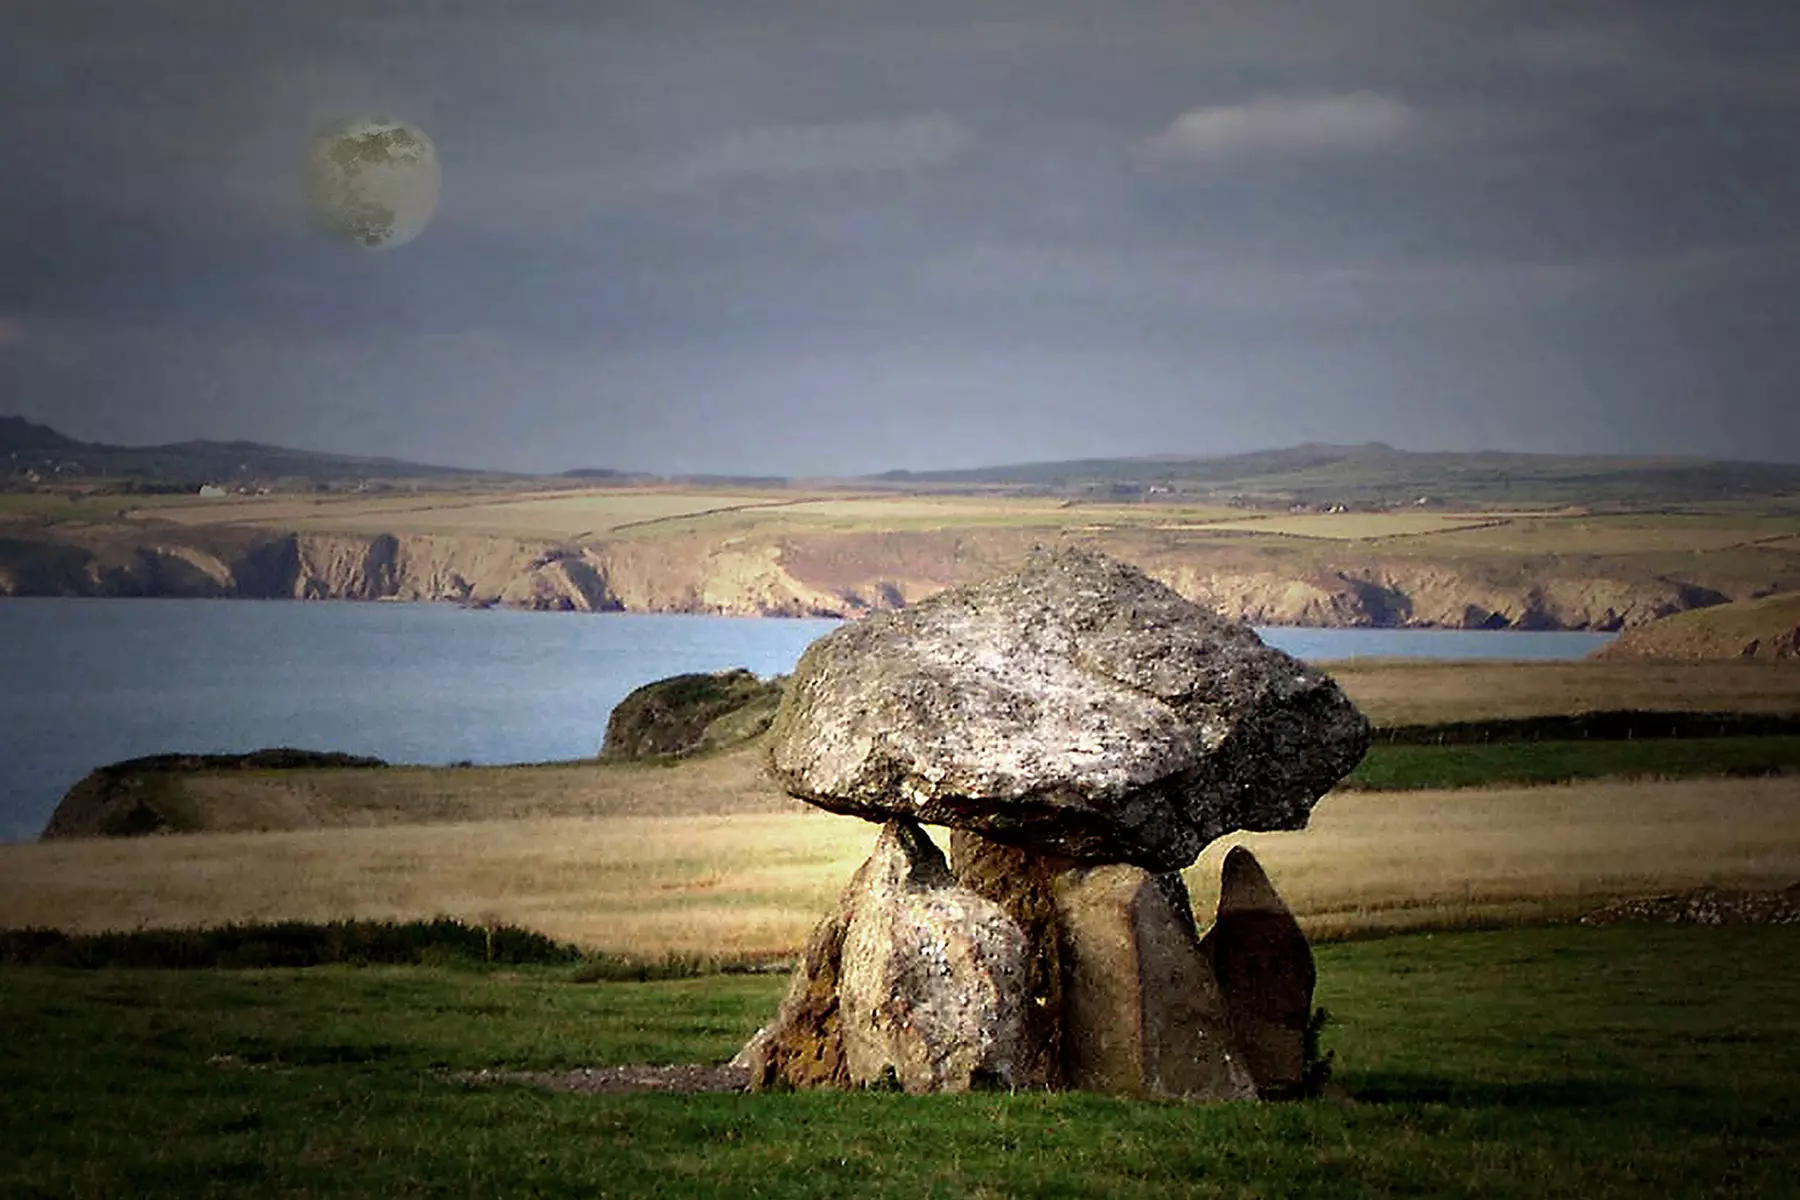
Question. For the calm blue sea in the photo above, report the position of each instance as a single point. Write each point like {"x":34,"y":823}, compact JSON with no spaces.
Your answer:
{"x":86,"y":682}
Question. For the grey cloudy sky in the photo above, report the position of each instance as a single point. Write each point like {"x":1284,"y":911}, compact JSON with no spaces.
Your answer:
{"x":842,"y":236}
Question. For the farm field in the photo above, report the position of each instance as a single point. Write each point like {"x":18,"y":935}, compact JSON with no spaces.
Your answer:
{"x":577,"y":514}
{"x":1571,"y":1062}
{"x":750,"y":885}
{"x":1350,"y":526}
{"x":1418,"y":691}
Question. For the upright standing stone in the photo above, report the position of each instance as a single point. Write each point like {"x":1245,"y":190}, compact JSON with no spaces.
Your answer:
{"x":1265,"y":972}
{"x":1141,"y":1012}
{"x":1022,"y":884}
{"x":803,"y":1048}
{"x":911,"y":979}
{"x":932,"y":986}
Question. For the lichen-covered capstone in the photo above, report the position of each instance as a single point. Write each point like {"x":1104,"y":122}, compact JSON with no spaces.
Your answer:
{"x":1075,"y":707}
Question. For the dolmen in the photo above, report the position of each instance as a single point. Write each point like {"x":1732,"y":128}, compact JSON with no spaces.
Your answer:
{"x":1083,"y":732}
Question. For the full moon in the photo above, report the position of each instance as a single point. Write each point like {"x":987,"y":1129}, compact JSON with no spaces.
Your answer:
{"x":371,"y":180}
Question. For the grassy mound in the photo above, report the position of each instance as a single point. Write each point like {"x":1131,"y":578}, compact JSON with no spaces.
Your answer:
{"x":686,"y":714}
{"x":1765,"y":628}
{"x":142,"y":795}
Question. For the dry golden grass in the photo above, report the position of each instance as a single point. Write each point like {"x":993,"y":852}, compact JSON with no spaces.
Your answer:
{"x":1378,"y":860}
{"x":1417,"y":691}
{"x":753,"y":884}
{"x":258,"y":801}
{"x":740,"y":884}
{"x":1725,"y":631}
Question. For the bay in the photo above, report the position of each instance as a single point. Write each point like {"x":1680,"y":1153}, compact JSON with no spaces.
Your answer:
{"x":87,"y":682}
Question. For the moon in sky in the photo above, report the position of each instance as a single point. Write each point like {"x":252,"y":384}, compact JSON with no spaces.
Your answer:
{"x":371,"y":180}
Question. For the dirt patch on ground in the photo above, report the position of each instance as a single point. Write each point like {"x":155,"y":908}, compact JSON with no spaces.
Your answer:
{"x":678,"y":1078}
{"x":1705,"y":906}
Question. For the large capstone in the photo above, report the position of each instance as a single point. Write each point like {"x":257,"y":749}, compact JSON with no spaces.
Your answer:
{"x":1076,"y":707}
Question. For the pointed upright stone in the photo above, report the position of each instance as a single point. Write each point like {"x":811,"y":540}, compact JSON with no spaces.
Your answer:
{"x":1265,"y":972}
{"x":932,"y":985}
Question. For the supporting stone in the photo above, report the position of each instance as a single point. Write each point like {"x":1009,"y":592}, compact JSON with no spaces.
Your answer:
{"x":911,"y":981}
{"x":1142,"y":1014}
{"x":1021,"y":882}
{"x":932,"y":988}
{"x":804,"y":1046}
{"x":1265,"y":972}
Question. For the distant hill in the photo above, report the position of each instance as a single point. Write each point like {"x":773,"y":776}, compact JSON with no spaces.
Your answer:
{"x":28,"y":449}
{"x":1378,"y":475}
{"x":1765,"y":628}
{"x":1312,"y":475}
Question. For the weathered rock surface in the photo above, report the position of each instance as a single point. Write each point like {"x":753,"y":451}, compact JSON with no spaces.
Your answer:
{"x":1265,"y":973}
{"x":912,"y":980}
{"x":1022,"y":884}
{"x":1076,"y":707}
{"x":1142,"y":1014}
{"x":932,"y":987}
{"x":803,"y":1047}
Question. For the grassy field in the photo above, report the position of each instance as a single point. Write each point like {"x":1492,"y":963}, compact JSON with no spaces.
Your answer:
{"x":1506,"y":763}
{"x":1419,"y":691}
{"x":1353,"y":526}
{"x":1537,"y":1063}
{"x":576,"y":513}
{"x":751,"y":885}
{"x":1767,"y":625}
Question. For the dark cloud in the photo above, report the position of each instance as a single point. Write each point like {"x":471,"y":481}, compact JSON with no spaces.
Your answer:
{"x":834,"y":237}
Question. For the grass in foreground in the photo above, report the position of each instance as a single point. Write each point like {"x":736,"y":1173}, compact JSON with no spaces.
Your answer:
{"x":1554,"y":1062}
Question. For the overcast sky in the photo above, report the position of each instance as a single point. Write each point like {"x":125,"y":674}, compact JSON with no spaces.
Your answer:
{"x":845,"y":236}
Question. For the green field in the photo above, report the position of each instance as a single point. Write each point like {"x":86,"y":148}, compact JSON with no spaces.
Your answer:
{"x":1624,"y":1061}
{"x":1500,"y":764}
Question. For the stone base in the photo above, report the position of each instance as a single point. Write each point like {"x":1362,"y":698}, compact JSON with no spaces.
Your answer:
{"x":1012,"y":969}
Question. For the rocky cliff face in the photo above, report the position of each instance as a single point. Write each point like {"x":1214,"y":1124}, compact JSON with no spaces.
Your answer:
{"x":842,"y":574}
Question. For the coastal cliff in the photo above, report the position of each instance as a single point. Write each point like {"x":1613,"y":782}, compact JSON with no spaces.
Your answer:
{"x":839,"y":574}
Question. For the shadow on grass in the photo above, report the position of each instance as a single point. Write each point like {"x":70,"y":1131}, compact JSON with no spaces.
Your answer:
{"x":1390,"y":1088}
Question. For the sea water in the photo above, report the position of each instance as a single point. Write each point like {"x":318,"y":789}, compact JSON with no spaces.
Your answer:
{"x":88,"y":682}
